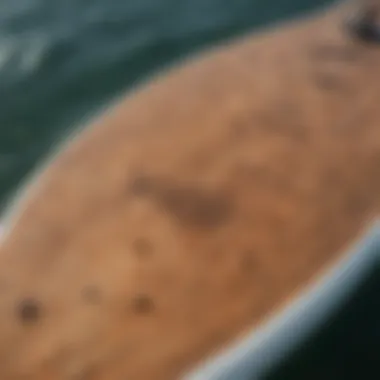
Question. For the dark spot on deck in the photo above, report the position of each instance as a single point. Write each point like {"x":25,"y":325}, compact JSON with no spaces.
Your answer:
{"x":91,"y":294}
{"x":194,"y":207}
{"x":364,"y":24}
{"x":143,"y":304}
{"x":329,"y":81}
{"x":142,"y":247}
{"x":141,"y":185}
{"x":29,"y":311}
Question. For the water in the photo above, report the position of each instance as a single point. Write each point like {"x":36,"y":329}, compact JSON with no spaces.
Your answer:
{"x":60,"y":60}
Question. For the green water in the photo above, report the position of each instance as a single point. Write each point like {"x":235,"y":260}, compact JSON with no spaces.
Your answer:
{"x":62,"y":59}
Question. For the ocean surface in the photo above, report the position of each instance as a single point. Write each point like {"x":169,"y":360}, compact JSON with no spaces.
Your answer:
{"x":62,"y":60}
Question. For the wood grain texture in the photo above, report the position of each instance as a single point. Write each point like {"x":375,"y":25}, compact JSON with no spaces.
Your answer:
{"x":194,"y":208}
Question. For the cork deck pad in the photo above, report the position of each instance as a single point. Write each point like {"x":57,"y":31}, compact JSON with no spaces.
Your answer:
{"x":195,"y":208}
